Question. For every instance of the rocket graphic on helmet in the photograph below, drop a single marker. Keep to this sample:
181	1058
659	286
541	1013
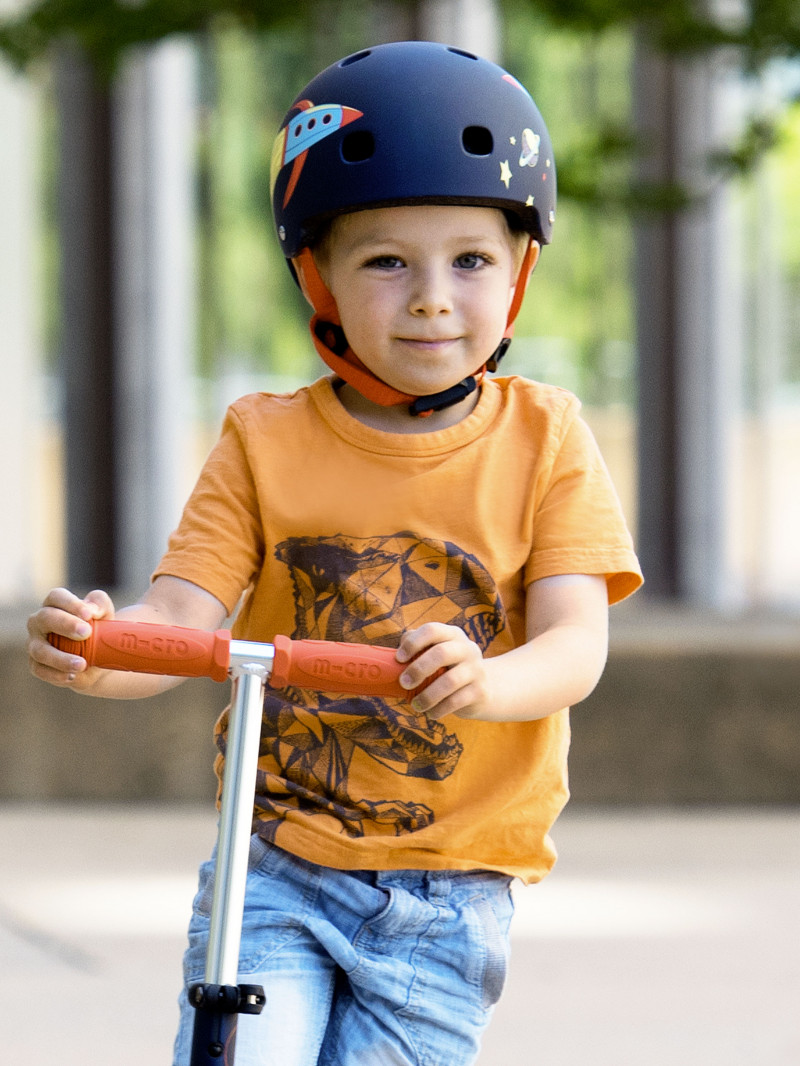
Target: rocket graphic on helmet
293	142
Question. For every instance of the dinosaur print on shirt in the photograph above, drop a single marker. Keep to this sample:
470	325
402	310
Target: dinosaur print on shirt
368	591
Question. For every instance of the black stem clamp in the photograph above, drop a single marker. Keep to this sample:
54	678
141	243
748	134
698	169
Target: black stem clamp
218	1008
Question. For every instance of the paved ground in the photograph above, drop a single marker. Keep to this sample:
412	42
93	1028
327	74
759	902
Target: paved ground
662	938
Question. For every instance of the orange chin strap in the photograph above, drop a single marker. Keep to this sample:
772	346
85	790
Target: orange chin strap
331	344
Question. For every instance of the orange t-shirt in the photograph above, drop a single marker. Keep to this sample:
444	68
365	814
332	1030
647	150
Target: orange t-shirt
337	531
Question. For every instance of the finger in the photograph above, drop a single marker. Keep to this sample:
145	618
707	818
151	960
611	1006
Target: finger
44	654
63	600
100	604
420	669
449	691
438	658
58	620
50	664
415	641
46	661
462	704
63	674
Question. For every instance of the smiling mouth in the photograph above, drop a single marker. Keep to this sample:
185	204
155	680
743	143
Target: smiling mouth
428	342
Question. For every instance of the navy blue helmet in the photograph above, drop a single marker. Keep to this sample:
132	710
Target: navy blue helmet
411	123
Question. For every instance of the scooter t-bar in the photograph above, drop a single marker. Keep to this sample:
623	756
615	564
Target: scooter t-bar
177	651
148	648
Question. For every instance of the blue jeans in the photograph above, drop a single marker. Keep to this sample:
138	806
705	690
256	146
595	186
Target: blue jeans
360	968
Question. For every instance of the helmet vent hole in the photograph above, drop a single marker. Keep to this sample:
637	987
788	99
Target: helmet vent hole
477	140
357	146
355	58
461	52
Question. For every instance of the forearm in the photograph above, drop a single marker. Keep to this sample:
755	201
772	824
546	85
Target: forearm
554	670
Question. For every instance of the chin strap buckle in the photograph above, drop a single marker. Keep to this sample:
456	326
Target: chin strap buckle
493	362
426	405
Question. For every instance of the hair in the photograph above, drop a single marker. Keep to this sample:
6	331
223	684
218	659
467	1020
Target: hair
319	232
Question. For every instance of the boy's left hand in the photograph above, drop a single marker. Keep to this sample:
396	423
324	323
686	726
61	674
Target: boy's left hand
463	688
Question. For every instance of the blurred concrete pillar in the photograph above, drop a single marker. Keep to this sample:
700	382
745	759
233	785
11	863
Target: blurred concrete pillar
86	333
18	339
125	194
155	304
689	325
468	24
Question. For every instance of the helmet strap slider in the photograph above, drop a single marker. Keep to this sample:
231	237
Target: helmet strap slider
331	335
494	360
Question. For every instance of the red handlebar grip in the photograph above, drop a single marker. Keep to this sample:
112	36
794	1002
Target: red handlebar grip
337	667
149	648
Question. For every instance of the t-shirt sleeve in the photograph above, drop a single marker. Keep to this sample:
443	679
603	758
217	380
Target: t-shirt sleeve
579	526
218	544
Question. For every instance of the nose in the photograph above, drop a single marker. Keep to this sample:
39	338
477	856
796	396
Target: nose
431	293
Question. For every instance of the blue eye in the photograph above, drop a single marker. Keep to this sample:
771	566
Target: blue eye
470	261
385	262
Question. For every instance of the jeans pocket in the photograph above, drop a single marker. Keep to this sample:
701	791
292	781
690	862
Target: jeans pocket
494	914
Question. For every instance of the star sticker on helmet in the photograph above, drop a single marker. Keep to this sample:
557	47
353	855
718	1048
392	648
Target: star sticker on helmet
505	173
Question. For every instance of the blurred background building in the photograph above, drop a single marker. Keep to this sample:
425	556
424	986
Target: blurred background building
141	290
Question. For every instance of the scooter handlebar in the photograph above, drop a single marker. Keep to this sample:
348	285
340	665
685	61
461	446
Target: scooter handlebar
178	651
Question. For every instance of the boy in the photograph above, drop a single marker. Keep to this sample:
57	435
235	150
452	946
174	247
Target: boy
406	501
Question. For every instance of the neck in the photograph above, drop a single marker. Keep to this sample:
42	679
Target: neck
397	419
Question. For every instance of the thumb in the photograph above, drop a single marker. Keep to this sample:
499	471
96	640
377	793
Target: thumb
100	604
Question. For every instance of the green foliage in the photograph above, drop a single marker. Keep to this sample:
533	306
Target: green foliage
760	30
576	326
759	136
246	305
105	28
785	164
764	29
252	316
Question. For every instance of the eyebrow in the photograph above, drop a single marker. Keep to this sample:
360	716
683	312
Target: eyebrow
378	239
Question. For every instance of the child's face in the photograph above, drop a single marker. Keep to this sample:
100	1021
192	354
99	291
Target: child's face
423	292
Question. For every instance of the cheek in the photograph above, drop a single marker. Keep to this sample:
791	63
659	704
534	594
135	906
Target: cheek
360	321
361	303
500	303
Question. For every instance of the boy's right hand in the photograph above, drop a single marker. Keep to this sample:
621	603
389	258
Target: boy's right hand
64	613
